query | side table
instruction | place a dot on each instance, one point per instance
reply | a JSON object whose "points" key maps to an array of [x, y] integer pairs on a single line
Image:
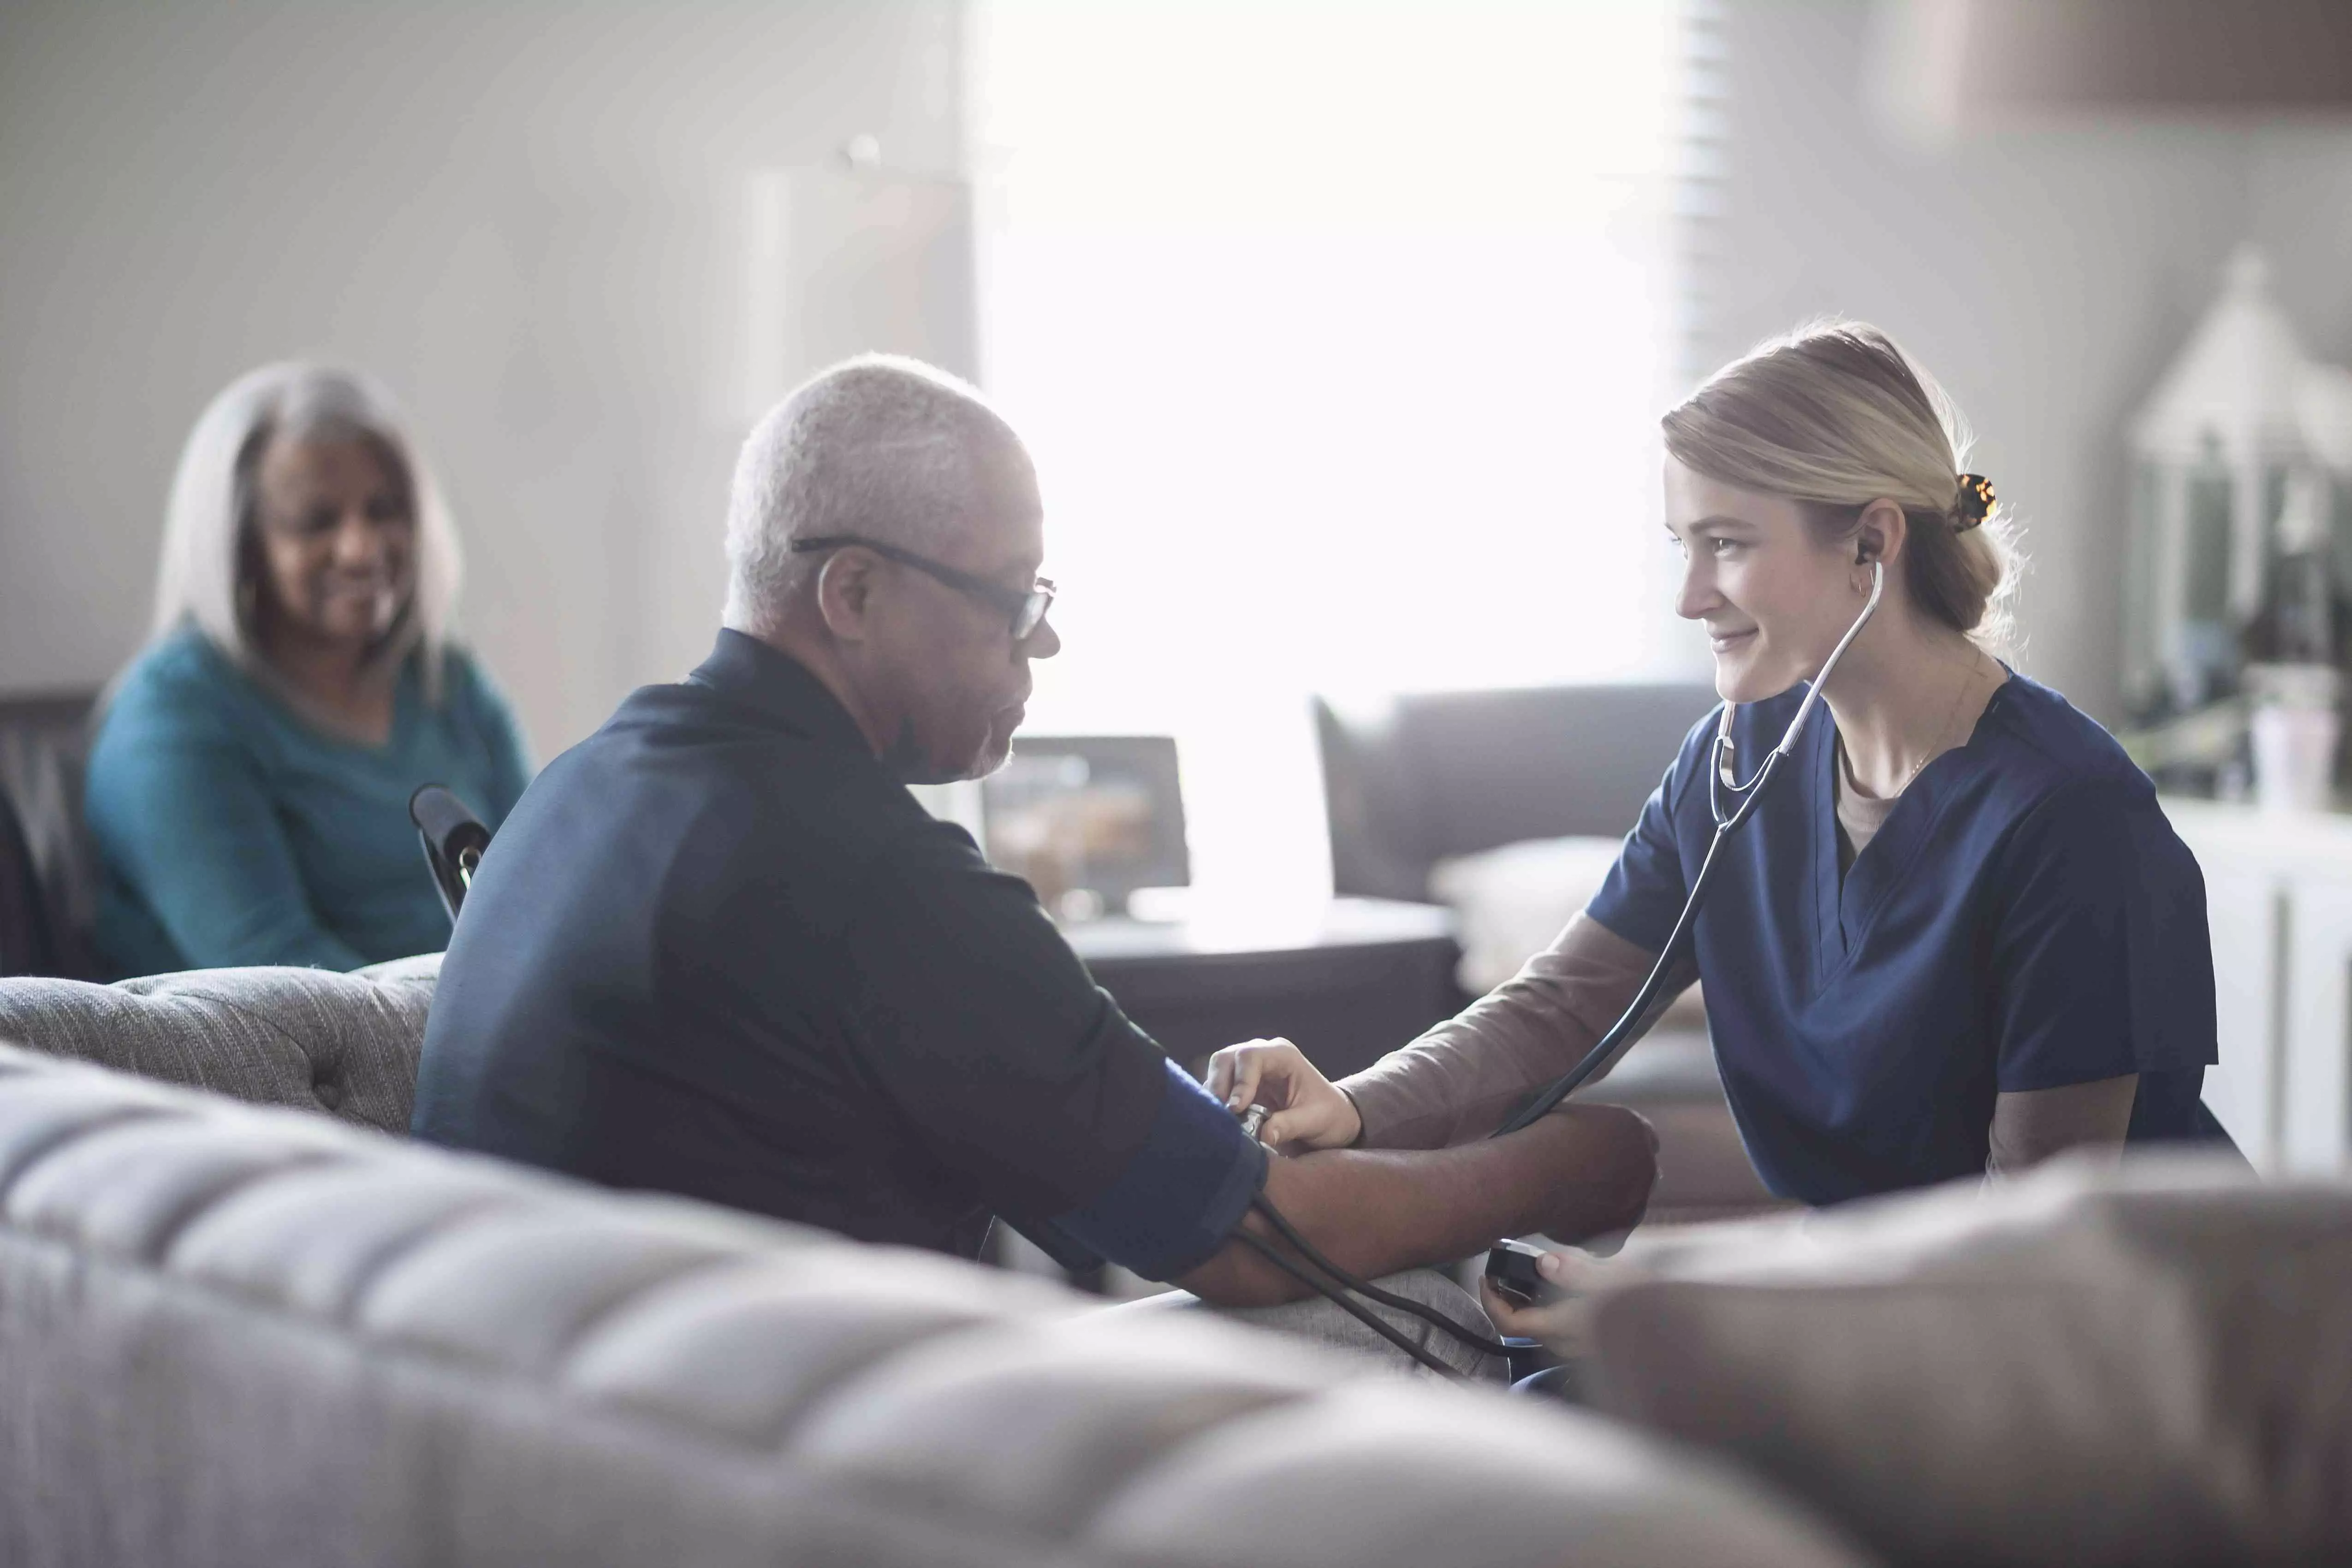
{"points": [[1347, 983]]}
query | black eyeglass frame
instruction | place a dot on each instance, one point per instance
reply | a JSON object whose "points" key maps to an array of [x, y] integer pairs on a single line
{"points": [[1025, 612]]}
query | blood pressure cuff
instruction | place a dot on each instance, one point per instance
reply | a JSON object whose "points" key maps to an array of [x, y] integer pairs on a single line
{"points": [[1176, 1200]]}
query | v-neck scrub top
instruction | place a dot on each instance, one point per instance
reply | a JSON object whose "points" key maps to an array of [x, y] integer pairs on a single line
{"points": [[2025, 919]]}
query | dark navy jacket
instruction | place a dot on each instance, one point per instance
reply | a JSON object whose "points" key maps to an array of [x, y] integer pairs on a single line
{"points": [[718, 950]]}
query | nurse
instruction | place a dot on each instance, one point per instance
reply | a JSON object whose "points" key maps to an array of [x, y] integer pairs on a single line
{"points": [[1959, 935]]}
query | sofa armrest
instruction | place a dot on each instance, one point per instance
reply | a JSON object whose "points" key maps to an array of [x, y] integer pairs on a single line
{"points": [[343, 1045]]}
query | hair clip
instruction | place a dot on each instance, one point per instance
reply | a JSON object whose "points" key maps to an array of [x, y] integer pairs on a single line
{"points": [[1975, 503]]}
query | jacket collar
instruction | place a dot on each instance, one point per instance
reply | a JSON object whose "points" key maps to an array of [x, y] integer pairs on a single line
{"points": [[772, 683]]}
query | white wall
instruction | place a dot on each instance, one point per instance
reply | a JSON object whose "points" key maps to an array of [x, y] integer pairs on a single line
{"points": [[2046, 276], [526, 216], [2299, 196]]}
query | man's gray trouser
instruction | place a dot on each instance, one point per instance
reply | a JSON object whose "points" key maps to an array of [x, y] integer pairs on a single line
{"points": [[1318, 1319]]}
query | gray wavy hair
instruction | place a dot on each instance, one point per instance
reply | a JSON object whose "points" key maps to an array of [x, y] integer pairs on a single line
{"points": [[211, 516], [881, 446]]}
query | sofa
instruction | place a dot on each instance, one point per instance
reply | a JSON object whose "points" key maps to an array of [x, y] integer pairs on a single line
{"points": [[257, 1333], [239, 1332]]}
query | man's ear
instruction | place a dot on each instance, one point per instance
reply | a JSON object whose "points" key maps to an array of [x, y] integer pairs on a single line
{"points": [[844, 593]]}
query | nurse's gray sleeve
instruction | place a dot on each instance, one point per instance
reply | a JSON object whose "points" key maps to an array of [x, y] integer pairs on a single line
{"points": [[1459, 1080], [2034, 1125]]}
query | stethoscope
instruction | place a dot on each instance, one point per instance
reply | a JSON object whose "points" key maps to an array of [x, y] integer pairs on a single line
{"points": [[1722, 777], [1319, 1273]]}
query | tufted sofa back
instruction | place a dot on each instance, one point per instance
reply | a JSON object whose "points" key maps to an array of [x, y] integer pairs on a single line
{"points": [[308, 1038], [234, 1335]]}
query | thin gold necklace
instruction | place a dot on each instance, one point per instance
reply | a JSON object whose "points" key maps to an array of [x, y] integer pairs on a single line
{"points": [[1935, 747]]}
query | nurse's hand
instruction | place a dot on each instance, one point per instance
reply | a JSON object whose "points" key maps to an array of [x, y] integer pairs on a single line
{"points": [[1309, 1110], [1558, 1317]]}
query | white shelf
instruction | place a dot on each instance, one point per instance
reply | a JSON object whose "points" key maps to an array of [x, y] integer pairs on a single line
{"points": [[2278, 888], [2291, 839]]}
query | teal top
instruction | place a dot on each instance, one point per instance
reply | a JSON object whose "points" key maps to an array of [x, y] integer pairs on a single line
{"points": [[230, 830]]}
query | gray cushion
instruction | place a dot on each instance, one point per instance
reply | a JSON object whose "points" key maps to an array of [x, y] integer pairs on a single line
{"points": [[2083, 1366], [236, 1336], [308, 1038]]}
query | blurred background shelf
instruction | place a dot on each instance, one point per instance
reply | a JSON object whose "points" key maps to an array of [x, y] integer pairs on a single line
{"points": [[2278, 890]]}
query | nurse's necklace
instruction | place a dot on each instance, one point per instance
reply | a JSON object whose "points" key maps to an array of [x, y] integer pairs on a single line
{"points": [[1935, 747]]}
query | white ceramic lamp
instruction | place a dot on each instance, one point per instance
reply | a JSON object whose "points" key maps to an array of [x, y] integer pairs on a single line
{"points": [[2215, 447]]}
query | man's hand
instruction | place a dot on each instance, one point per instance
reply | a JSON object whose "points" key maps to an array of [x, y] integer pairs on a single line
{"points": [[1309, 1110]]}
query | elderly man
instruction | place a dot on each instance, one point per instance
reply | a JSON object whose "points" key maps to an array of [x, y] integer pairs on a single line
{"points": [[719, 950]]}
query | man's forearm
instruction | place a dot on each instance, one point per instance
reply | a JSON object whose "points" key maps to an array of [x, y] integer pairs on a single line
{"points": [[1584, 1171]]}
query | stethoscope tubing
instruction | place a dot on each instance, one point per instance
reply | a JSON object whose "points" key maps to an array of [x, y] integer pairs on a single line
{"points": [[1748, 797], [1326, 1277]]}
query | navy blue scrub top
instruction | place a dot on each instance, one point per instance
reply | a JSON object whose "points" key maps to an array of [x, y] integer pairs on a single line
{"points": [[2025, 919]]}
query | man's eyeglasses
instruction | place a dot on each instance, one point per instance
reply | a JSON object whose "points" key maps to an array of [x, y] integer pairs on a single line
{"points": [[1026, 610]]}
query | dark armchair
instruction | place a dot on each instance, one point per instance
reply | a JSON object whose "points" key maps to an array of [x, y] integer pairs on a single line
{"points": [[1419, 779], [48, 884]]}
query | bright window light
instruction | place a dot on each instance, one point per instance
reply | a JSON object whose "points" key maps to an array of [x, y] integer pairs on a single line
{"points": [[1338, 332]]}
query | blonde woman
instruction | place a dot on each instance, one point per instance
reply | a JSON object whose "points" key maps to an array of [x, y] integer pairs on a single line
{"points": [[249, 783], [1961, 936]]}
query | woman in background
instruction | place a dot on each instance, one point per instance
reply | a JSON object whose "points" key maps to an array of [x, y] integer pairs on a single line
{"points": [[248, 786]]}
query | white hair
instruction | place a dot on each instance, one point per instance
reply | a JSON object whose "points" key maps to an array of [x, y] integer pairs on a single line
{"points": [[881, 446], [207, 579]]}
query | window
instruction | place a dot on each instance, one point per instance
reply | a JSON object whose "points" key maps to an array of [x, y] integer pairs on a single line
{"points": [[1339, 331]]}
